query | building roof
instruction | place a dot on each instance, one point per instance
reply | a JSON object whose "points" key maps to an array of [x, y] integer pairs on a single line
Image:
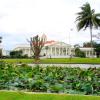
{"points": [[86, 49], [48, 43], [22, 46]]}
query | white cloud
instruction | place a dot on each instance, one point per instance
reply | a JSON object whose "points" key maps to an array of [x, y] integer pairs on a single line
{"points": [[55, 18]]}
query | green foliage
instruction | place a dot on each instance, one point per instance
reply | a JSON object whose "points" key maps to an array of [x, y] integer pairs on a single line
{"points": [[88, 44], [79, 53], [49, 79], [16, 54], [87, 17], [97, 49], [56, 60]]}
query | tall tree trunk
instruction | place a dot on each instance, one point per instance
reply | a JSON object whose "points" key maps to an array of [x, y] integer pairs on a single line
{"points": [[91, 41], [37, 56], [37, 59]]}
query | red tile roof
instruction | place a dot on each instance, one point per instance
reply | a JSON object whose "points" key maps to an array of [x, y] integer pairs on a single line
{"points": [[50, 42]]}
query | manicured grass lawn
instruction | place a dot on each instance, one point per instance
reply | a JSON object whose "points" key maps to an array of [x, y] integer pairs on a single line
{"points": [[73, 60], [18, 60], [56, 60], [4, 95]]}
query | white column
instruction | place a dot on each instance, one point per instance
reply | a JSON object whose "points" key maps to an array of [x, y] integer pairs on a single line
{"points": [[50, 50], [24, 51], [86, 53], [66, 51], [58, 51], [55, 51], [89, 53], [61, 51], [69, 51], [93, 53], [29, 52]]}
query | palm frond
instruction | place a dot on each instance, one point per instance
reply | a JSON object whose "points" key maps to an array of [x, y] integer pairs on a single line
{"points": [[80, 25], [87, 17]]}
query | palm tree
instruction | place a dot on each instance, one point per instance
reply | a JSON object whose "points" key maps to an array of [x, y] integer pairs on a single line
{"points": [[87, 18]]}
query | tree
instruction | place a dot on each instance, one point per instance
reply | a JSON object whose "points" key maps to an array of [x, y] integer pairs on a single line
{"points": [[37, 43], [16, 54], [79, 53], [97, 49], [88, 44], [87, 18], [77, 46]]}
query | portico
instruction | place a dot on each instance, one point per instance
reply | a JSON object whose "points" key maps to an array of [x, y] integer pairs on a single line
{"points": [[57, 49], [88, 52]]}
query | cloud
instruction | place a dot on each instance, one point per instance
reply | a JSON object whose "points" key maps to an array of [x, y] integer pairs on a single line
{"points": [[21, 19]]}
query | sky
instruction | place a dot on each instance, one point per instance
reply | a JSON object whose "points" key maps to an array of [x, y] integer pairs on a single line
{"points": [[22, 19]]}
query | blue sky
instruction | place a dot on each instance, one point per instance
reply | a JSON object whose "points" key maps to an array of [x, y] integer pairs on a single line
{"points": [[21, 19]]}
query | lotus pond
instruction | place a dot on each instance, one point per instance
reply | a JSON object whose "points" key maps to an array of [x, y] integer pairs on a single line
{"points": [[49, 79]]}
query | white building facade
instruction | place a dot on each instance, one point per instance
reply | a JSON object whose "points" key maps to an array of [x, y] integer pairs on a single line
{"points": [[88, 52], [52, 49], [55, 49]]}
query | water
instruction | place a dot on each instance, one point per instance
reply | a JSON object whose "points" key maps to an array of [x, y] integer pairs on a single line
{"points": [[69, 65]]}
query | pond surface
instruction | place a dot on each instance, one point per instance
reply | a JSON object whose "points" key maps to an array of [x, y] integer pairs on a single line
{"points": [[70, 65]]}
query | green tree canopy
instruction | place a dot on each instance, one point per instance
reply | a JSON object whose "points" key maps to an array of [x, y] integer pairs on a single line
{"points": [[97, 49], [88, 44], [79, 53], [16, 54]]}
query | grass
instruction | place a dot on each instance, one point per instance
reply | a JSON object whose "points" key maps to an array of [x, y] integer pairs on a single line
{"points": [[57, 60], [73, 60], [5, 95]]}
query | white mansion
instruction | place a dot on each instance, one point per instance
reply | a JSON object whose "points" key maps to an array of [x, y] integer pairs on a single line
{"points": [[54, 49]]}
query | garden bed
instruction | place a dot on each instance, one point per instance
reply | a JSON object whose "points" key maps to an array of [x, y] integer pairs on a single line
{"points": [[50, 79]]}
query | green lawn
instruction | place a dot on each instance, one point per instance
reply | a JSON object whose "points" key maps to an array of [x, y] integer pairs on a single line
{"points": [[5, 95], [56, 60]]}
